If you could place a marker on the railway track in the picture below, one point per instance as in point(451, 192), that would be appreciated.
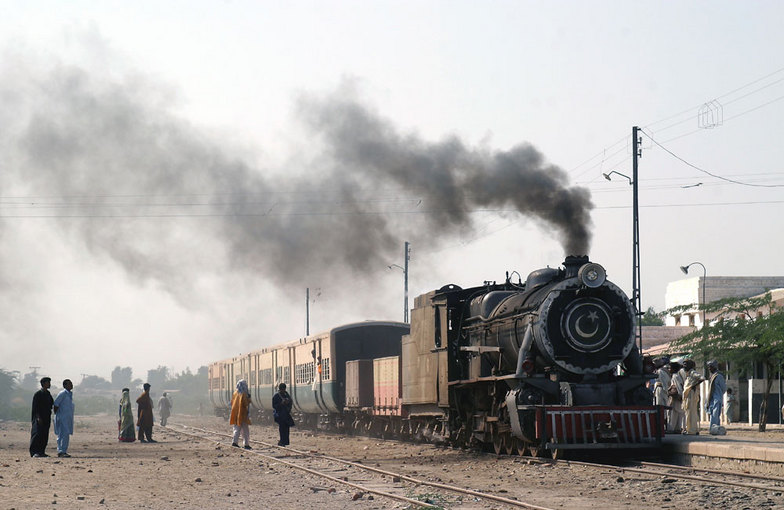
point(362, 478)
point(706, 476)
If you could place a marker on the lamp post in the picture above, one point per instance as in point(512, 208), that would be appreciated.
point(685, 270)
point(608, 176)
point(307, 308)
point(636, 294)
point(406, 257)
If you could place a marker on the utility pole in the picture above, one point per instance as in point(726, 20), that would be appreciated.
point(307, 311)
point(636, 294)
point(407, 257)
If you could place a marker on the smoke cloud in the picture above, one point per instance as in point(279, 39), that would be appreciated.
point(108, 163)
point(451, 179)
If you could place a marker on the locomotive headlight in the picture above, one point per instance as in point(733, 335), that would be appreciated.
point(592, 275)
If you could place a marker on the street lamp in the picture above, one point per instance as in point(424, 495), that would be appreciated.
point(609, 176)
point(633, 181)
point(685, 270)
point(307, 308)
point(406, 257)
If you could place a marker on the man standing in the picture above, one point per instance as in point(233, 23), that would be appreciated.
point(144, 418)
point(281, 403)
point(240, 414)
point(729, 411)
point(662, 385)
point(64, 418)
point(691, 396)
point(164, 408)
point(716, 389)
point(676, 417)
point(41, 419)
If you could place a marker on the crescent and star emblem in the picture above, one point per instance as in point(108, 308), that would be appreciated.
point(593, 317)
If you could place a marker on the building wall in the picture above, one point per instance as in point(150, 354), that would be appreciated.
point(689, 291)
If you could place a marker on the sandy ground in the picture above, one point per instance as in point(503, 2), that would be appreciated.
point(175, 472)
point(180, 472)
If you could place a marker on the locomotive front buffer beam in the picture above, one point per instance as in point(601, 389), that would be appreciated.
point(558, 427)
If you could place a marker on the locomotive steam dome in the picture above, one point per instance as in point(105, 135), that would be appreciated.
point(584, 323)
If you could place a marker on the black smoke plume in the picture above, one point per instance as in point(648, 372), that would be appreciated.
point(451, 179)
point(107, 162)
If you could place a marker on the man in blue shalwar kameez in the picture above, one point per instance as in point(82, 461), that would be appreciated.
point(64, 418)
point(715, 397)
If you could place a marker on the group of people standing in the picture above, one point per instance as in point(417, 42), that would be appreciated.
point(144, 415)
point(240, 414)
point(41, 418)
point(63, 406)
point(677, 386)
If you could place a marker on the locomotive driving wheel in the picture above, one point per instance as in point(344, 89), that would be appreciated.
point(503, 443)
point(535, 450)
point(511, 444)
point(519, 447)
point(498, 442)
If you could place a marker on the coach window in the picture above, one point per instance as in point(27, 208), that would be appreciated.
point(325, 368)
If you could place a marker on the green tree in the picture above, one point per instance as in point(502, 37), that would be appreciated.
point(189, 390)
point(121, 377)
point(157, 377)
point(652, 318)
point(736, 333)
point(94, 382)
point(7, 387)
point(31, 381)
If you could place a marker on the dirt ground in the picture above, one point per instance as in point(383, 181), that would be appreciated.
point(181, 472)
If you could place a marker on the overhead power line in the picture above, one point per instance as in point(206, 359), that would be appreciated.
point(668, 151)
point(692, 204)
point(692, 113)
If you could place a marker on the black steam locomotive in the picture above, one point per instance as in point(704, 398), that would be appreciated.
point(541, 366)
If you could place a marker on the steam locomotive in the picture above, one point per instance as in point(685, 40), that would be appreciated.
point(540, 367)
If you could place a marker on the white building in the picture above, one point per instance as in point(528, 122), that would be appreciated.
point(689, 291)
point(747, 382)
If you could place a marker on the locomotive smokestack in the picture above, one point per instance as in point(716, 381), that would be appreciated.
point(573, 263)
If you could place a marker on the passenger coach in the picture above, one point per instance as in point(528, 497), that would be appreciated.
point(313, 368)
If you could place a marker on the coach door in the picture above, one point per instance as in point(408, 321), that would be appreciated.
point(253, 379)
point(317, 385)
point(228, 382)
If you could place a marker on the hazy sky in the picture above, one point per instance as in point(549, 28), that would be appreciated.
point(174, 175)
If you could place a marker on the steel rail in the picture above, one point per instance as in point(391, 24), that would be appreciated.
point(410, 479)
point(674, 475)
point(306, 469)
point(716, 472)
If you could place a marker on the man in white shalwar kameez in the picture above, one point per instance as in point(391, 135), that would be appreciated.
point(64, 418)
point(676, 417)
point(691, 396)
point(662, 384)
point(660, 396)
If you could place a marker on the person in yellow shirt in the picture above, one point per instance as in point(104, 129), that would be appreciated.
point(240, 414)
